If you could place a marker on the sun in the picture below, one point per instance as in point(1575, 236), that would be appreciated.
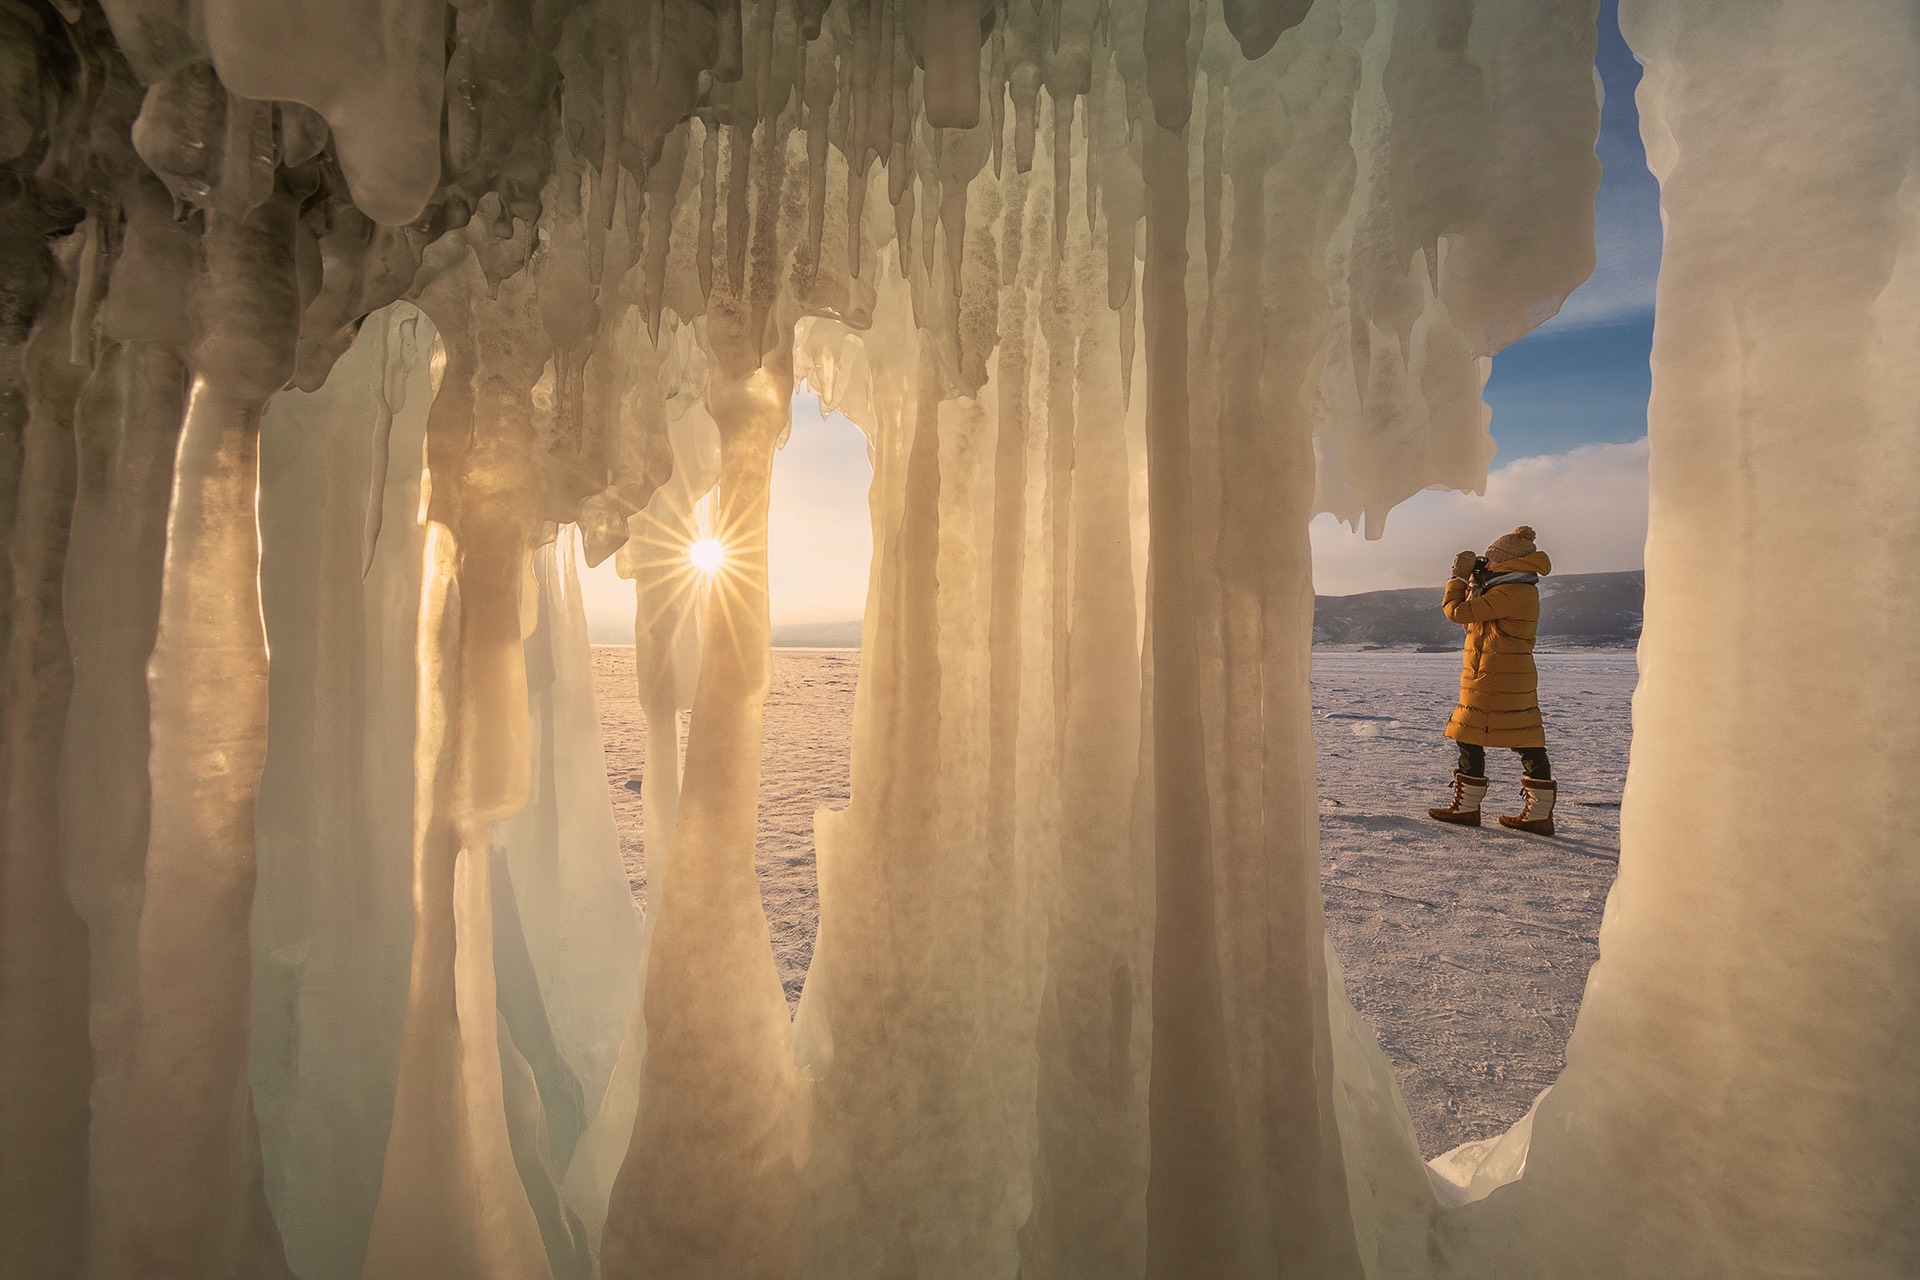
point(707, 555)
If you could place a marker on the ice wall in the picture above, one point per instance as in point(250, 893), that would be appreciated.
point(1739, 1085)
point(319, 959)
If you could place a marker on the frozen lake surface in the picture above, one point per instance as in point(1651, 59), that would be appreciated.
point(1466, 949)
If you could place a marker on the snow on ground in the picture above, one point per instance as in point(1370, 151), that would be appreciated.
point(1466, 949)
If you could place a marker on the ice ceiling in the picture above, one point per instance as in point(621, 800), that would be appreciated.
point(328, 326)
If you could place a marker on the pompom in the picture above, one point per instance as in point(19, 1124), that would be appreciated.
point(1524, 531)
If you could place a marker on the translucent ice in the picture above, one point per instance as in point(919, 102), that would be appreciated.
point(329, 330)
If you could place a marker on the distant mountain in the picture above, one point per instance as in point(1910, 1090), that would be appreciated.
point(817, 635)
point(1577, 611)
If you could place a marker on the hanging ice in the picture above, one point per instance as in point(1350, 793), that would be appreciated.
point(328, 332)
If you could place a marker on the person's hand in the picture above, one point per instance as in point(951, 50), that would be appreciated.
point(1463, 565)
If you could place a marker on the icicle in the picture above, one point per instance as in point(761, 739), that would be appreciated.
point(728, 67)
point(207, 689)
point(1062, 170)
point(126, 430)
point(397, 354)
point(181, 133)
point(44, 1052)
point(333, 909)
point(381, 97)
point(709, 207)
point(716, 1019)
point(1193, 1219)
point(1092, 1101)
point(1168, 78)
point(739, 220)
point(818, 86)
point(1026, 90)
point(1259, 24)
point(246, 169)
point(613, 86)
point(901, 115)
point(302, 133)
point(1091, 150)
point(470, 1215)
point(89, 284)
point(663, 194)
point(1213, 148)
point(950, 42)
point(997, 96)
point(879, 139)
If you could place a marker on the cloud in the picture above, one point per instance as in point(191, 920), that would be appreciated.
point(1588, 506)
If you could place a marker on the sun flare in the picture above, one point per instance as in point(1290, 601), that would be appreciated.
point(707, 555)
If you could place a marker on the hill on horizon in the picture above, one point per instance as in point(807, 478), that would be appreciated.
point(1577, 610)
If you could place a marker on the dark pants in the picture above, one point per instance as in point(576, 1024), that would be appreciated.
point(1533, 761)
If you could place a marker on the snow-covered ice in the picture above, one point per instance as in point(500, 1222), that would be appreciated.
point(1465, 949)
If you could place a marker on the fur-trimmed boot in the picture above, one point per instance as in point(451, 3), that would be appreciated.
point(1536, 815)
point(1465, 809)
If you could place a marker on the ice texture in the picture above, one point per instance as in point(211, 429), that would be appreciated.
point(327, 330)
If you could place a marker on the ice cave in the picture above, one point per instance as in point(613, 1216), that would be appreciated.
point(327, 322)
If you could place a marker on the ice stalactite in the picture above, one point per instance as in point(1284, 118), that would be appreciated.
point(580, 927)
point(179, 1189)
point(333, 915)
point(449, 1159)
point(194, 1147)
point(194, 1131)
point(1121, 295)
point(43, 995)
point(667, 652)
point(715, 1189)
point(126, 433)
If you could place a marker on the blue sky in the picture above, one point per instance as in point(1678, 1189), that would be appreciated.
point(1582, 378)
point(1569, 423)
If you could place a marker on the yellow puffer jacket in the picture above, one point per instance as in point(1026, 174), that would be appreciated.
point(1499, 688)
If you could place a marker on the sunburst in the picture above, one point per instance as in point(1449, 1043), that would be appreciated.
point(702, 554)
point(708, 555)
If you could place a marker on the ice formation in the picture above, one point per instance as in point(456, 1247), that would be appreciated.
point(328, 328)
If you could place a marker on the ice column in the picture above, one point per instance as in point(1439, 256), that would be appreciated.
point(451, 1201)
point(44, 1054)
point(711, 1184)
point(193, 1163)
point(332, 914)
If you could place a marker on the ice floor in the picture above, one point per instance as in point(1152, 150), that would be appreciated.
point(1467, 950)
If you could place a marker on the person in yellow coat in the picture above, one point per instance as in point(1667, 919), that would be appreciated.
point(1497, 599)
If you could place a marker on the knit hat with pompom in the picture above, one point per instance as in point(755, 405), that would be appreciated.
point(1511, 546)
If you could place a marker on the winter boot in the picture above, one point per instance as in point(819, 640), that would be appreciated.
point(1465, 808)
point(1536, 815)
